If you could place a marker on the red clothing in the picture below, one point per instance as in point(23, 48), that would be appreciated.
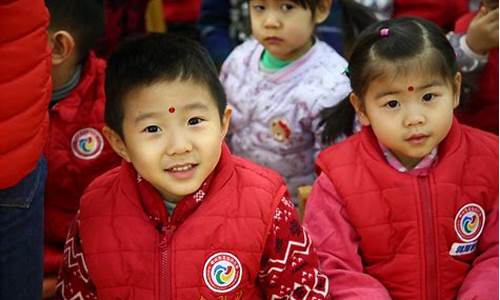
point(241, 214)
point(481, 111)
point(181, 11)
point(25, 88)
point(122, 19)
point(76, 154)
point(405, 245)
point(442, 12)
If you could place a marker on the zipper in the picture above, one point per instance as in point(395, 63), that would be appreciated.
point(165, 254)
point(429, 238)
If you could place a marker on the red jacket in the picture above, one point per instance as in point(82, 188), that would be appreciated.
point(76, 154)
point(481, 110)
point(205, 253)
point(25, 87)
point(411, 228)
point(181, 11)
point(442, 12)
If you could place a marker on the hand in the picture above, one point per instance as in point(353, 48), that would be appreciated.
point(482, 34)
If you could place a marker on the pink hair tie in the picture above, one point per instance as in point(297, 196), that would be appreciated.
point(384, 32)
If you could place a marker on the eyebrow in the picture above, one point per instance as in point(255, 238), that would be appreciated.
point(191, 106)
point(422, 87)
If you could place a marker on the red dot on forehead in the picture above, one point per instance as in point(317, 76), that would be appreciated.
point(171, 110)
point(411, 88)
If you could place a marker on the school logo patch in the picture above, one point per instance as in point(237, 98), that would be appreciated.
point(222, 272)
point(87, 143)
point(469, 222)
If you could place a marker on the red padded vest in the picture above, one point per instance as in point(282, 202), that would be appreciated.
point(123, 249)
point(25, 87)
point(405, 222)
point(76, 153)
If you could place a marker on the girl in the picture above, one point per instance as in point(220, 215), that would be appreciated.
point(277, 84)
point(408, 207)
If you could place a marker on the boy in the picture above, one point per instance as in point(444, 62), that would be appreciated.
point(230, 232)
point(76, 151)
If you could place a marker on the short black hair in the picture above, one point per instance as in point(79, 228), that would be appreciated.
point(83, 19)
point(144, 61)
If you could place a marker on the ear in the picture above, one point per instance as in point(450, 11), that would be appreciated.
point(322, 11)
point(458, 85)
point(116, 142)
point(63, 46)
point(359, 108)
point(226, 120)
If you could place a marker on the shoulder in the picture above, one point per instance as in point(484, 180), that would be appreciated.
point(243, 52)
point(255, 175)
point(100, 188)
point(481, 141)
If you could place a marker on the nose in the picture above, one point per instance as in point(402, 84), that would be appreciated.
point(178, 143)
point(414, 116)
point(271, 20)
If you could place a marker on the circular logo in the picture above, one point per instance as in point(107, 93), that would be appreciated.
point(222, 272)
point(87, 143)
point(469, 222)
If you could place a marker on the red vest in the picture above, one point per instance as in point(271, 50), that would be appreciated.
point(406, 223)
point(25, 87)
point(76, 153)
point(128, 257)
point(481, 111)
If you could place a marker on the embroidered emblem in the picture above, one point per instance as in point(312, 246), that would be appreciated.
point(469, 222)
point(87, 143)
point(462, 248)
point(281, 130)
point(222, 272)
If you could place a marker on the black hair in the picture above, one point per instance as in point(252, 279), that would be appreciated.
point(355, 18)
point(408, 41)
point(83, 19)
point(156, 57)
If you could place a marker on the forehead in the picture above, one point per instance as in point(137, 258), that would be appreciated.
point(160, 96)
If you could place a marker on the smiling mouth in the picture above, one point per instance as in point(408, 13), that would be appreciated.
point(181, 168)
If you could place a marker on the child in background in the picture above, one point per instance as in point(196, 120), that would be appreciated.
point(182, 218)
point(76, 151)
point(277, 84)
point(480, 107)
point(408, 207)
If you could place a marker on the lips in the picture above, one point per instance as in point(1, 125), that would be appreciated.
point(417, 138)
point(273, 40)
point(182, 171)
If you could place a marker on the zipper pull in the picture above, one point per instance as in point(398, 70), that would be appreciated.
point(166, 235)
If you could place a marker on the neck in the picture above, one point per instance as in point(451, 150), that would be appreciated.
point(62, 74)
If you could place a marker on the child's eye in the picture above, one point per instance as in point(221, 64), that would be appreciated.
point(258, 7)
point(151, 129)
point(392, 104)
point(195, 120)
point(428, 97)
point(287, 7)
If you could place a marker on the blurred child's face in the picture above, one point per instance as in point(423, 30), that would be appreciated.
point(284, 28)
point(173, 135)
point(410, 114)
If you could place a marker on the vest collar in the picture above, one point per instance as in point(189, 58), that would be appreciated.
point(152, 201)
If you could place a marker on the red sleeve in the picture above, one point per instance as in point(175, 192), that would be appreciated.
point(482, 280)
point(290, 266)
point(337, 245)
point(74, 281)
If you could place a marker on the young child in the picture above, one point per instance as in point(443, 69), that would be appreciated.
point(182, 218)
point(408, 207)
point(76, 151)
point(277, 84)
